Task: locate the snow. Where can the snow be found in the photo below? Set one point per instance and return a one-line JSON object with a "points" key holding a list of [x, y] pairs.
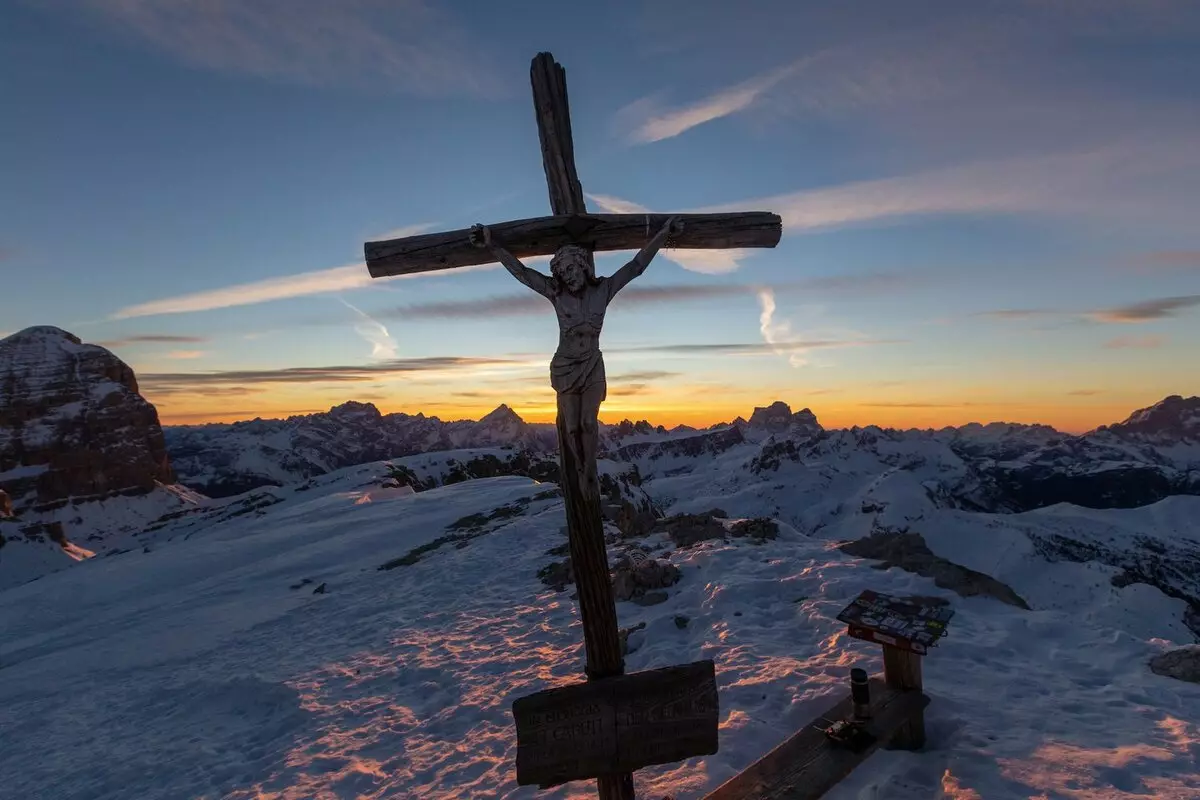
{"points": [[197, 670]]}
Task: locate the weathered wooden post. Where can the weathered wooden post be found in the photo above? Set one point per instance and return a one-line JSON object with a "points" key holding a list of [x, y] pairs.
{"points": [[906, 629], [615, 723]]}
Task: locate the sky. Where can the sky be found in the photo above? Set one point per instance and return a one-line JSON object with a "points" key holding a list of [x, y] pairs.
{"points": [[989, 208]]}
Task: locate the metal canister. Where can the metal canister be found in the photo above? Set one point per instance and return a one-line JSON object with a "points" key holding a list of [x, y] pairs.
{"points": [[860, 693]]}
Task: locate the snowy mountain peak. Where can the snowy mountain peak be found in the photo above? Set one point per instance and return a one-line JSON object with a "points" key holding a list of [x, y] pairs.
{"points": [[502, 415], [46, 333], [1173, 418], [775, 417], [352, 409]]}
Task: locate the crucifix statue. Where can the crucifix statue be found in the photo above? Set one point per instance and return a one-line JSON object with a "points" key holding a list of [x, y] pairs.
{"points": [[614, 723], [577, 369]]}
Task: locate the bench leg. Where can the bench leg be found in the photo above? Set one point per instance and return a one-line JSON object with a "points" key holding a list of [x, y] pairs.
{"points": [[902, 670]]}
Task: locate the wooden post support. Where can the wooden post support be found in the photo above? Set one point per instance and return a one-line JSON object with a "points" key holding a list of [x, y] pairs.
{"points": [[907, 628], [901, 671]]}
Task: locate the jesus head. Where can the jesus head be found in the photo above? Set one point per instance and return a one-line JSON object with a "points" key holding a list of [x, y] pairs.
{"points": [[572, 265]]}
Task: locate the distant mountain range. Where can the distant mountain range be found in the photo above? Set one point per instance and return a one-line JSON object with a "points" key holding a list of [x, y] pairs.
{"points": [[1152, 454]]}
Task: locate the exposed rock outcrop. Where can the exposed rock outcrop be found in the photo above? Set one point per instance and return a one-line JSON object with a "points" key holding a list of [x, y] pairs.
{"points": [[72, 423], [909, 552], [1182, 664]]}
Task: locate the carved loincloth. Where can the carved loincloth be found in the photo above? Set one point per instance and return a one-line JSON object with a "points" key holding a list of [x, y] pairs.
{"points": [[575, 375]]}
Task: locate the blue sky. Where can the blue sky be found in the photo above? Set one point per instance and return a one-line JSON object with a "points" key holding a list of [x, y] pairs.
{"points": [[989, 208]]}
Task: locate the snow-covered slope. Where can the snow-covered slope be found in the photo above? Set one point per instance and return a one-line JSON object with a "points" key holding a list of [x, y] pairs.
{"points": [[256, 649]]}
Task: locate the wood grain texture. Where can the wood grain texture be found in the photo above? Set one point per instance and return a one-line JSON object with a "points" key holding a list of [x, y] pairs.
{"points": [[594, 592], [553, 111], [902, 671], [807, 765], [616, 725], [542, 236]]}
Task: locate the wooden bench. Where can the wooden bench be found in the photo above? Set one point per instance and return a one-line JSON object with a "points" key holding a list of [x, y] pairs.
{"points": [[808, 764]]}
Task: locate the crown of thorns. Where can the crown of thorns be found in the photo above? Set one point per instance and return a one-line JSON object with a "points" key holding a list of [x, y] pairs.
{"points": [[566, 252]]}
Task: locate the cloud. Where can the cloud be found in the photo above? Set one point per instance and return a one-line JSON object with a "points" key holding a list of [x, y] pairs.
{"points": [[402, 232], [187, 354], [708, 262], [1169, 260], [1146, 311], [152, 338], [1128, 180], [374, 333], [530, 303], [647, 122], [158, 381], [627, 390], [1017, 313], [209, 391], [1134, 342], [322, 281], [403, 45], [645, 376], [752, 348], [773, 332], [1085, 392]]}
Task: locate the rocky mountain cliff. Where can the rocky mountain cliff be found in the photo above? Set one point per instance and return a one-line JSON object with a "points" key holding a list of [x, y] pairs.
{"points": [[72, 424], [83, 461]]}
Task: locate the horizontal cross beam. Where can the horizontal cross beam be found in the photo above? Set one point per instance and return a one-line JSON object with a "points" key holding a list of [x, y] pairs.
{"points": [[542, 236]]}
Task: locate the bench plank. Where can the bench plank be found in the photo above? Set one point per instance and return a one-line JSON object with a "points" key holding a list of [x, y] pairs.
{"points": [[808, 765]]}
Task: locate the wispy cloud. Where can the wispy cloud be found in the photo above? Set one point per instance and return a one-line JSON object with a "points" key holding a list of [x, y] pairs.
{"points": [[1017, 313], [152, 338], [322, 281], [645, 120], [1147, 310], [159, 381], [1127, 181], [1168, 260], [1085, 393], [405, 45], [708, 262], [774, 332], [375, 333], [1142, 311], [530, 303], [752, 348], [187, 354], [1135, 342], [644, 376], [402, 232]]}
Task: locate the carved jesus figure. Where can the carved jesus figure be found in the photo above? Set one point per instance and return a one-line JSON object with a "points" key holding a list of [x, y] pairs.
{"points": [[580, 300]]}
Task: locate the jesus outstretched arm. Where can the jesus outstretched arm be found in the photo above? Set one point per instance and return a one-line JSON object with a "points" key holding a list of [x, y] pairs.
{"points": [[481, 236], [638, 264]]}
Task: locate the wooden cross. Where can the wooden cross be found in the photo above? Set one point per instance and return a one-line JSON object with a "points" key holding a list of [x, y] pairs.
{"points": [[615, 723]]}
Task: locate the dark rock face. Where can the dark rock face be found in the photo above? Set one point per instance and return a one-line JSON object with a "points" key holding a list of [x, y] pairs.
{"points": [[72, 423], [909, 552], [1182, 664], [706, 443], [639, 581], [776, 417]]}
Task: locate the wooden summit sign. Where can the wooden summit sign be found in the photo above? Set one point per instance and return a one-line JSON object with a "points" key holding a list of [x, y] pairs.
{"points": [[580, 298], [616, 725]]}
